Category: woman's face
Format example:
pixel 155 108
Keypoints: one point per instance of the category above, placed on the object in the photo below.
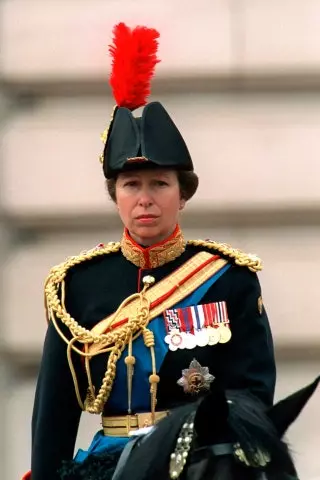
pixel 149 202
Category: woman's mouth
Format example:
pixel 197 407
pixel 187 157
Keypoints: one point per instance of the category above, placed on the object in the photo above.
pixel 146 218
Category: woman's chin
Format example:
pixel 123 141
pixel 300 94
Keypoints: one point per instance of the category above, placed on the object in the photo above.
pixel 148 235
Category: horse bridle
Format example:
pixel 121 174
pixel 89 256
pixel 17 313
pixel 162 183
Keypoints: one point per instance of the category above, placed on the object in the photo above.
pixel 218 450
pixel 223 449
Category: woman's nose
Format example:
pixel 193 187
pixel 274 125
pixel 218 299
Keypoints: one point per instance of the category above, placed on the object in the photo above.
pixel 145 200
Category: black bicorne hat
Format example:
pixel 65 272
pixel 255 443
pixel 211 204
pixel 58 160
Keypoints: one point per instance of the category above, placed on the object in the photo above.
pixel 149 141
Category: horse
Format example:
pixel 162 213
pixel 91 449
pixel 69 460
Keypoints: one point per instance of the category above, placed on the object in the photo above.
pixel 225 435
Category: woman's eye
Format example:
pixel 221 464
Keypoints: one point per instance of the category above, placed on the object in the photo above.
pixel 161 183
pixel 131 183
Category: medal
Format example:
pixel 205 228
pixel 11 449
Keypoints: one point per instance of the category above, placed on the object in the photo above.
pixel 197 326
pixel 174 339
pixel 213 335
pixel 225 333
pixel 185 316
pixel 196 378
pixel 199 321
pixel 202 337
pixel 223 321
pixel 190 341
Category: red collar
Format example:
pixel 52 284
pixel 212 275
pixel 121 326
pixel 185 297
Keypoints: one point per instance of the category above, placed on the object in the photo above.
pixel 156 255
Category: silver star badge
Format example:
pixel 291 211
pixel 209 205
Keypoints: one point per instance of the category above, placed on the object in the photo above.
pixel 195 378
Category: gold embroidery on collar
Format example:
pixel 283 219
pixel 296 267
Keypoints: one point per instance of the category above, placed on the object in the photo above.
pixel 156 255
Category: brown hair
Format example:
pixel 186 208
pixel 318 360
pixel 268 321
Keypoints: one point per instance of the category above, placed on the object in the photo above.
pixel 188 183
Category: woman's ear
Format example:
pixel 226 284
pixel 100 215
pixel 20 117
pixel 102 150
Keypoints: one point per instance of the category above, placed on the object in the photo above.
pixel 182 204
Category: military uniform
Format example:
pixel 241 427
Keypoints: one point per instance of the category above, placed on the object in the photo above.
pixel 133 364
pixel 94 289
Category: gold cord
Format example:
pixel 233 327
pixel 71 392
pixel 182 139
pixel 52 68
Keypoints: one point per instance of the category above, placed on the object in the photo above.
pixel 154 379
pixel 115 343
pixel 73 373
pixel 130 361
pixel 91 389
pixel 249 260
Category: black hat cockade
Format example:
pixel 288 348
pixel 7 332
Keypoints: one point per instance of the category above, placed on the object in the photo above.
pixel 149 141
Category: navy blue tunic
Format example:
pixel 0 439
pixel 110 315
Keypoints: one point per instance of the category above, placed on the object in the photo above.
pixel 94 290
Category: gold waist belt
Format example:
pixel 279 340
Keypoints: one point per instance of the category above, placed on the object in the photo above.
pixel 120 426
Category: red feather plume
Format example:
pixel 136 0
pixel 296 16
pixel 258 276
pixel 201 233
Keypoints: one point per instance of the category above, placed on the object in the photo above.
pixel 134 57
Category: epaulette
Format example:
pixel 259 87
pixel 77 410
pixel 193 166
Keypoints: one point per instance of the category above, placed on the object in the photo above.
pixel 249 260
pixel 58 273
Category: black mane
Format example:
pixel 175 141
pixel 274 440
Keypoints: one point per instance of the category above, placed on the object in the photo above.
pixel 253 430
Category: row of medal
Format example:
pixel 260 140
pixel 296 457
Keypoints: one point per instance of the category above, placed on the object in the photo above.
pixel 197 326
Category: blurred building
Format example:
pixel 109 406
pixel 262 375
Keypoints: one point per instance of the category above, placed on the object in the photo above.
pixel 242 80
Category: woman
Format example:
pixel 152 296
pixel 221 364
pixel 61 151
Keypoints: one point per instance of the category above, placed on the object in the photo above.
pixel 141 326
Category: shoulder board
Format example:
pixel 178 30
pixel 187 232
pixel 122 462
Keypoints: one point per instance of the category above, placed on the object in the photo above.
pixel 249 260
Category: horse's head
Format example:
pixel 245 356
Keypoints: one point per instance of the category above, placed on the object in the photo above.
pixel 235 436
pixel 226 435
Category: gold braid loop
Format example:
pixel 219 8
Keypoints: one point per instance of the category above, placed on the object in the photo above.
pixel 113 341
pixel 56 278
pixel 249 260
pixel 134 327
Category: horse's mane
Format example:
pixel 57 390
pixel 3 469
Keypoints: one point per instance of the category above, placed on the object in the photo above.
pixel 246 422
pixel 251 426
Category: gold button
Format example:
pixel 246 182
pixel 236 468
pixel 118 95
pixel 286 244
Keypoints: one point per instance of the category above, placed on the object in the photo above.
pixel 148 280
